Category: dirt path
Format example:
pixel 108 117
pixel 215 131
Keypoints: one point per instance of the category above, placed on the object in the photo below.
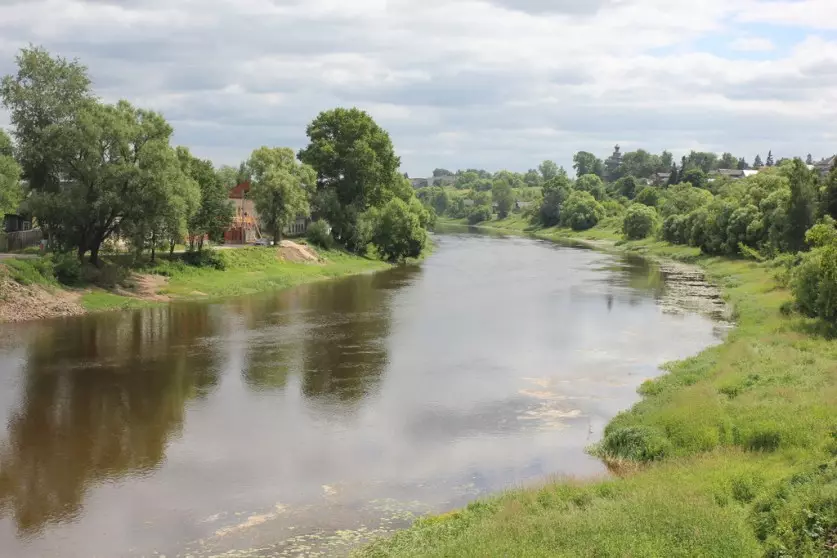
pixel 292 252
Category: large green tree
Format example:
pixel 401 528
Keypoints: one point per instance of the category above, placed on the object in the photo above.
pixel 356 169
pixel 281 187
pixel 549 170
pixel 585 162
pixel 801 205
pixel 215 213
pixel 502 195
pixel 117 169
pixel 45 92
pixel 397 229
pixel 10 190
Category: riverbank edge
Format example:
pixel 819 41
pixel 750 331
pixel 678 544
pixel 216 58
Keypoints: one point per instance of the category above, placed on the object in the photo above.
pixel 724 481
pixel 31 301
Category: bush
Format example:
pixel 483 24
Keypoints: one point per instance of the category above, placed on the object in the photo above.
pixel 640 221
pixel 649 196
pixel 396 230
pixel 581 211
pixel 319 234
pixel 479 214
pixel 205 258
pixel 814 283
pixel 591 184
pixel 635 443
pixel 799 517
pixel 68 269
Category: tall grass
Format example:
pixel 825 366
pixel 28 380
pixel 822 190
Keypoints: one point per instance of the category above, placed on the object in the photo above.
pixel 733 450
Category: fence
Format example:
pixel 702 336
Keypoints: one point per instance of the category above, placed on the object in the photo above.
pixel 12 241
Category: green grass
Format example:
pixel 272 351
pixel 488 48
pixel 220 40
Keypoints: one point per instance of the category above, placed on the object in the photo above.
pixel 37 271
pixel 99 301
pixel 732 453
pixel 251 270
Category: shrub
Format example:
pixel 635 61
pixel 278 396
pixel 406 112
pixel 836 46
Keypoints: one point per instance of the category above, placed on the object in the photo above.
pixel 640 221
pixel 38 271
pixel 591 184
pixel 319 234
pixel 205 258
pixel 649 196
pixel 581 211
pixel 613 208
pixel 814 283
pixel 68 269
pixel 635 443
pixel 396 230
pixel 799 517
pixel 479 214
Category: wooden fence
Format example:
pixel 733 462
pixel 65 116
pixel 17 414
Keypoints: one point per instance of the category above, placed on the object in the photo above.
pixel 12 241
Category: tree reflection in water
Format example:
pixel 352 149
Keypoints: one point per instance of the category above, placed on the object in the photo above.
pixel 103 396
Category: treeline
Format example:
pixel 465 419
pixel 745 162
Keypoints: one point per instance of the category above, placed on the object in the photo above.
pixel 785 212
pixel 89 171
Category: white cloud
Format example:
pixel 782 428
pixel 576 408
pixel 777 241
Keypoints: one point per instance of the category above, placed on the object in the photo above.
pixel 458 83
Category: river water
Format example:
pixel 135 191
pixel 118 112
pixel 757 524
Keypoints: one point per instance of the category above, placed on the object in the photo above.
pixel 304 421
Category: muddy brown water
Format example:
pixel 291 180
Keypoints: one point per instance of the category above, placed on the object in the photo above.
pixel 301 422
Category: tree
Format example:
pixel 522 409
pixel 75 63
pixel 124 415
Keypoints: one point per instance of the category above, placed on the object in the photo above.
pixel 641 164
pixel 695 177
pixel 770 159
pixel 828 195
pixel 728 161
pixel 555 192
pixel 626 186
pixel 215 213
pixel 742 164
pixel 45 92
pixel 703 160
pixel 801 205
pixel 581 211
pixel 674 175
pixel 10 190
pixel 649 196
pixel 549 170
pixel 281 187
pixel 666 161
pixel 441 172
pixel 809 160
pixel 591 184
pixel 640 221
pixel 228 176
pixel 356 169
pixel 116 168
pixel 532 178
pixel 501 194
pixel 587 163
pixel 397 230
pixel 757 164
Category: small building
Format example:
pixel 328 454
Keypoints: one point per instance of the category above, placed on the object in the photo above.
pixel 469 203
pixel 660 178
pixel 824 167
pixel 419 183
pixel 245 226
pixel 446 180
pixel 523 205
pixel 298 227
pixel 732 174
pixel 14 222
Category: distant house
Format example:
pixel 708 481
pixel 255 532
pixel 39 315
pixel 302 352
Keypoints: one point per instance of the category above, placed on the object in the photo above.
pixel 245 226
pixel 469 203
pixel 824 167
pixel 523 205
pixel 13 222
pixel 446 180
pixel 419 182
pixel 750 172
pixel 732 174
pixel 660 178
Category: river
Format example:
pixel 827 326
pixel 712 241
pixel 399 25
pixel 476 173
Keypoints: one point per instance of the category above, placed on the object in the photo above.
pixel 306 420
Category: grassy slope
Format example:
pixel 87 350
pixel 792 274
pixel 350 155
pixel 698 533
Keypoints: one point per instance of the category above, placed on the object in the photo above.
pixel 742 418
pixel 249 270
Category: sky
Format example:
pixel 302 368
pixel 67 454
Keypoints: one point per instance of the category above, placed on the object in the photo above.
pixel 488 84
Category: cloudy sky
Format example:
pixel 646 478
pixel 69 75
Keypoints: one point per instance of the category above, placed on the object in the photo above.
pixel 461 83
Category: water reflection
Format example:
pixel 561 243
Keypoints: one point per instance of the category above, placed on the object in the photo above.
pixel 496 361
pixel 102 397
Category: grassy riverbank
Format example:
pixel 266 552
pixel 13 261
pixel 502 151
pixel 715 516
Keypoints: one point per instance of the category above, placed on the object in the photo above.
pixel 240 271
pixel 732 453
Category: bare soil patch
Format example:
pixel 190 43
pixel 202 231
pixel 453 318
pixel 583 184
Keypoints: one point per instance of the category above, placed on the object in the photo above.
pixel 290 251
pixel 21 303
